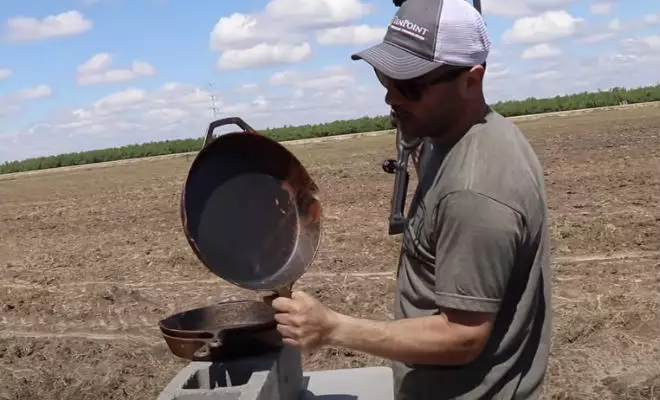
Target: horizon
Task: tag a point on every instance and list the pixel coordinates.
(94, 74)
(200, 138)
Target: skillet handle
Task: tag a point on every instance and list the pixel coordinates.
(205, 353)
(284, 291)
(226, 121)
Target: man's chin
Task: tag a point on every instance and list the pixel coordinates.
(410, 130)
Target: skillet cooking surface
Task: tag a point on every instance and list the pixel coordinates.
(241, 220)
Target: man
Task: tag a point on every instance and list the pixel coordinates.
(472, 309)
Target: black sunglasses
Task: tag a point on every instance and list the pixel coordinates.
(413, 89)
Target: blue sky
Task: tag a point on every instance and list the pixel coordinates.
(85, 74)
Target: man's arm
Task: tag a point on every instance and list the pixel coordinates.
(476, 248)
(451, 338)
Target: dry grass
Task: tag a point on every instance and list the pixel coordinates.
(91, 259)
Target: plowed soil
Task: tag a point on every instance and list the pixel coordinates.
(92, 258)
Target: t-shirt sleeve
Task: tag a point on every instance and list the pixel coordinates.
(477, 240)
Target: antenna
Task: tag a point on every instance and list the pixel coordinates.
(212, 97)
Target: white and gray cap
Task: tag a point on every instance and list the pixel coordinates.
(426, 34)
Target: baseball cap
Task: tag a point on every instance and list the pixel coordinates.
(427, 34)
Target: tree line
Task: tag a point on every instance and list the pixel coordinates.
(602, 98)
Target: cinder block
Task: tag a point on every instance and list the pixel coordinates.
(276, 376)
(369, 383)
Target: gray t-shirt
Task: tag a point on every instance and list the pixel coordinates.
(478, 240)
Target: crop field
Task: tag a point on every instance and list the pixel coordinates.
(92, 258)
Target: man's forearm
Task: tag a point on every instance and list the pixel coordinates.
(424, 340)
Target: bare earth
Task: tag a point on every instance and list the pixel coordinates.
(91, 259)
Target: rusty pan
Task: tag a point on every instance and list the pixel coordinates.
(250, 210)
(222, 331)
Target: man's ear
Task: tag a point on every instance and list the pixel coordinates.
(471, 82)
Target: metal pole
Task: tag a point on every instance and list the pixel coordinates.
(213, 108)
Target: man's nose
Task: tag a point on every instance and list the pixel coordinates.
(394, 98)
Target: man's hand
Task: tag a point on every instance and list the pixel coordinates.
(303, 321)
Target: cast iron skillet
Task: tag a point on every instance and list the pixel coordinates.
(250, 210)
(222, 331)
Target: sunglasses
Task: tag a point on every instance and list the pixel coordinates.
(413, 89)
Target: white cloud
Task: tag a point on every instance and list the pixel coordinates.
(8, 109)
(614, 24)
(239, 31)
(317, 13)
(598, 37)
(5, 73)
(495, 73)
(264, 55)
(548, 26)
(351, 35)
(651, 19)
(37, 92)
(122, 99)
(260, 101)
(643, 22)
(521, 8)
(177, 110)
(325, 79)
(548, 78)
(262, 39)
(11, 104)
(31, 93)
(615, 28)
(645, 46)
(540, 51)
(98, 70)
(25, 29)
(113, 117)
(602, 7)
(546, 74)
(247, 87)
(285, 77)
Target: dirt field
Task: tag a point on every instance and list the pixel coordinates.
(92, 259)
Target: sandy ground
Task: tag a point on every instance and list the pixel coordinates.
(91, 259)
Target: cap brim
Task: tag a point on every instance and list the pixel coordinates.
(395, 62)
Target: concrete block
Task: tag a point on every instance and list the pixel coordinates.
(276, 376)
(371, 383)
